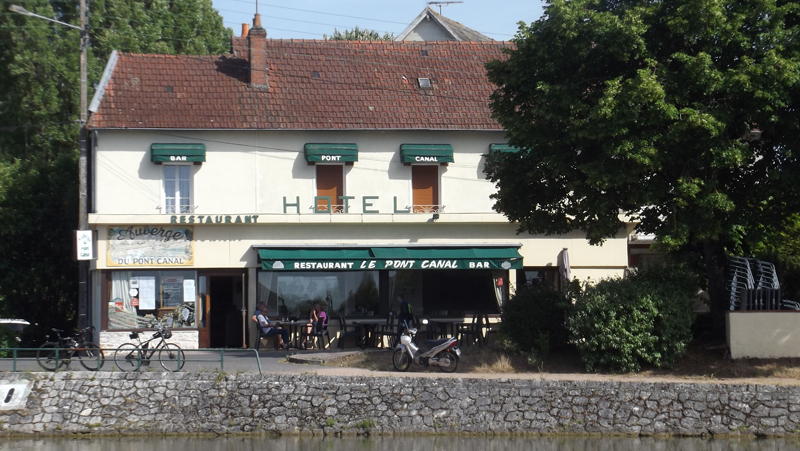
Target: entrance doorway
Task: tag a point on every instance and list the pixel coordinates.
(225, 319)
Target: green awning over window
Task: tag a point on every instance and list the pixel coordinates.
(426, 153)
(331, 153)
(178, 153)
(505, 148)
(392, 258)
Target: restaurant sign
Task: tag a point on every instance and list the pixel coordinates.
(378, 264)
(143, 245)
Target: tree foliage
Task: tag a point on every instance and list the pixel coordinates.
(39, 113)
(359, 34)
(644, 108)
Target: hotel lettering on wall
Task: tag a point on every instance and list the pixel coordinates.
(143, 245)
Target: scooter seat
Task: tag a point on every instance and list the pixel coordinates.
(433, 343)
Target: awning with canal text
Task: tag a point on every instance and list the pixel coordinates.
(426, 153)
(391, 258)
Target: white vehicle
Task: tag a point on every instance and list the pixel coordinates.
(443, 353)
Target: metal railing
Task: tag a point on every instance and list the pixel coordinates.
(19, 355)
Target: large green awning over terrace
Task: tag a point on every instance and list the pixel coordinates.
(303, 258)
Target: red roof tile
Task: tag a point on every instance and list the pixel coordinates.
(361, 85)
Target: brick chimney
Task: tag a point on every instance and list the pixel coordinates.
(257, 43)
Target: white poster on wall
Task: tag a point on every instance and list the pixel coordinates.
(147, 293)
(189, 293)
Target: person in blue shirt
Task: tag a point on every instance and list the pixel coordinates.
(269, 329)
(405, 316)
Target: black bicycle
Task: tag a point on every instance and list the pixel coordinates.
(59, 353)
(133, 356)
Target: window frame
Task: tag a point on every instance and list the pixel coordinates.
(336, 207)
(439, 207)
(177, 208)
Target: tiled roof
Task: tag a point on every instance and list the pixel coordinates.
(339, 85)
(461, 32)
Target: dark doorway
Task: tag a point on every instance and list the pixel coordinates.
(225, 316)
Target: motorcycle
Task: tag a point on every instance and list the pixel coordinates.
(443, 353)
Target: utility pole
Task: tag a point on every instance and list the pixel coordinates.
(84, 316)
(85, 255)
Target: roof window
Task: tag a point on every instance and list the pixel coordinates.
(425, 83)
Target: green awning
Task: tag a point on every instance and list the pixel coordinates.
(331, 153)
(392, 258)
(505, 148)
(426, 153)
(178, 153)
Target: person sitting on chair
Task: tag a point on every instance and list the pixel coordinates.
(317, 313)
(260, 316)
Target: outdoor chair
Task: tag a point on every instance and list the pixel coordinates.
(472, 329)
(356, 331)
(318, 332)
(386, 330)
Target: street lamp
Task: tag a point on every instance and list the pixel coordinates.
(83, 199)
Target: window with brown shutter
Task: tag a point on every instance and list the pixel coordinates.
(425, 188)
(330, 182)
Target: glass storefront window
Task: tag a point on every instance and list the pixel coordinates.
(141, 298)
(292, 295)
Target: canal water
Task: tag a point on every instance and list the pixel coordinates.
(424, 443)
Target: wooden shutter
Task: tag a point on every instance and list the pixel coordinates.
(425, 188)
(330, 182)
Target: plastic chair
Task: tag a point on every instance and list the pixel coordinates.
(471, 329)
(386, 330)
(344, 332)
(319, 331)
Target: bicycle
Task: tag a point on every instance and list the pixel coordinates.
(132, 356)
(54, 354)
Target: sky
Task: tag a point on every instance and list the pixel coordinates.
(311, 19)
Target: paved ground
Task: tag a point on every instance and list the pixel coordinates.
(322, 362)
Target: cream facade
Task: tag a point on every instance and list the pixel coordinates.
(256, 190)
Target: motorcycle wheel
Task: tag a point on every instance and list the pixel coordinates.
(401, 360)
(449, 361)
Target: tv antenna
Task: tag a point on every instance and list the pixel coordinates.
(439, 4)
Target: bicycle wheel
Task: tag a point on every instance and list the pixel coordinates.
(91, 356)
(50, 357)
(128, 357)
(171, 357)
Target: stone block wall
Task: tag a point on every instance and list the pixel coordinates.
(158, 403)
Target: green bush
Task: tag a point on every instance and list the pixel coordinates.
(8, 339)
(620, 324)
(534, 319)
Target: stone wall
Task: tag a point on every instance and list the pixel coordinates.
(109, 403)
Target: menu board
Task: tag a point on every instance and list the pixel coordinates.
(171, 291)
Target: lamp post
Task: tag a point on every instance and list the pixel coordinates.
(83, 199)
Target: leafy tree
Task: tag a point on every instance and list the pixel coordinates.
(39, 112)
(359, 34)
(644, 109)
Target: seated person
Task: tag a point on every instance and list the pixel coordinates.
(260, 316)
(317, 313)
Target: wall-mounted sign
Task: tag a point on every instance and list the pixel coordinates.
(143, 245)
(85, 245)
(378, 264)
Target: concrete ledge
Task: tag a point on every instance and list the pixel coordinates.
(301, 404)
(766, 335)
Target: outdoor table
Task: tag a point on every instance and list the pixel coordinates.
(445, 326)
(369, 326)
(294, 328)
